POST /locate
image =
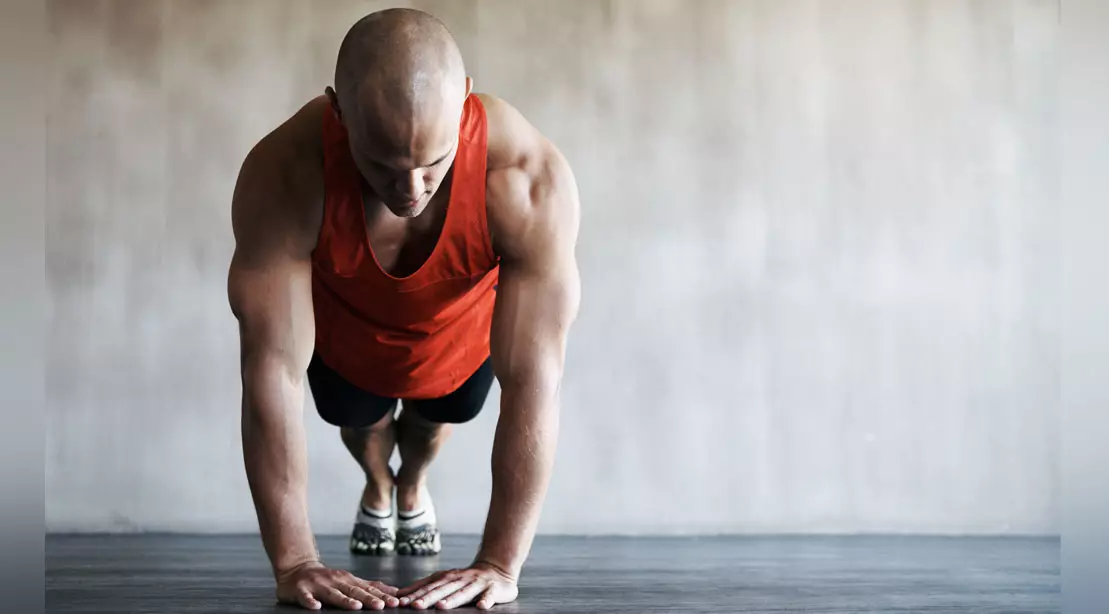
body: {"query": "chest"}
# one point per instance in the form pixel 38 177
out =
pixel 401 246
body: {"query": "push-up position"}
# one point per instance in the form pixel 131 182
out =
pixel 401 238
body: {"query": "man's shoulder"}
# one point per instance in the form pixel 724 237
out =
pixel 512 140
pixel 517 151
pixel 529 184
pixel 280 185
pixel 292 153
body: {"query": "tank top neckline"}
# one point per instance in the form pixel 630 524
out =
pixel 365 234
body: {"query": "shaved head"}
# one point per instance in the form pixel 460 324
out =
pixel 400 87
pixel 398 68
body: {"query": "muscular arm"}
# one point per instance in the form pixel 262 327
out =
pixel 532 205
pixel 534 220
pixel 269 287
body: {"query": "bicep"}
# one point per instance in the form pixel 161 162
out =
pixel 534 215
pixel 272 302
pixel 531 319
pixel 537 302
pixel 270 278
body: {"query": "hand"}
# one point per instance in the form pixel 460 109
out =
pixel 481 582
pixel 312 585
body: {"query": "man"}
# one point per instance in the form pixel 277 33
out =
pixel 401 238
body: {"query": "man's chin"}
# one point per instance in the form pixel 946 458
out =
pixel 406 210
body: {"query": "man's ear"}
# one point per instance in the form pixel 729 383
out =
pixel 333 98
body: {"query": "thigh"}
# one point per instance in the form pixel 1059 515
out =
pixel 462 405
pixel 340 402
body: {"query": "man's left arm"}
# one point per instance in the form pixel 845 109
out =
pixel 537 301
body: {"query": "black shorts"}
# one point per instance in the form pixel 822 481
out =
pixel 343 404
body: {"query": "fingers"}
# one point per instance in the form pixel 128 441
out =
pixel 335 597
pixel 315 588
pixel 375 590
pixel 440 592
pixel 422 591
pixel 385 589
pixel 486 601
pixel 307 601
pixel 368 598
pixel 374 594
pixel 419 596
pixel 415 586
pixel 461 596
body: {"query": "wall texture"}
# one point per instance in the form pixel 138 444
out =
pixel 819 250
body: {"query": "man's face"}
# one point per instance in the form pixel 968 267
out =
pixel 404 159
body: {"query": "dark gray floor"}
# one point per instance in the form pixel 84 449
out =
pixel 192 574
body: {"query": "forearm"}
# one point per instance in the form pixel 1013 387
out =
pixel 275 454
pixel 522 459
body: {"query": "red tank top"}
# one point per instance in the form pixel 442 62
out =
pixel 415 337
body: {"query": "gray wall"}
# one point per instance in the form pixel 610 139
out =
pixel 1084 130
pixel 819 249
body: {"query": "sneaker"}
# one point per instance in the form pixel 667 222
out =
pixel 417 533
pixel 373 534
pixel 423 540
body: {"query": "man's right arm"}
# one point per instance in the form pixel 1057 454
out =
pixel 276 214
pixel 269 288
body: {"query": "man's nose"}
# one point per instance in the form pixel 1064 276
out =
pixel 411 185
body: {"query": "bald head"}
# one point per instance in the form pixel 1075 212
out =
pixel 396 69
pixel 400 88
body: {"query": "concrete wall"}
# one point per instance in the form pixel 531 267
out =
pixel 1084 130
pixel 819 247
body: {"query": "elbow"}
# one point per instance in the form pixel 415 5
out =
pixel 535 385
pixel 531 372
pixel 271 390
